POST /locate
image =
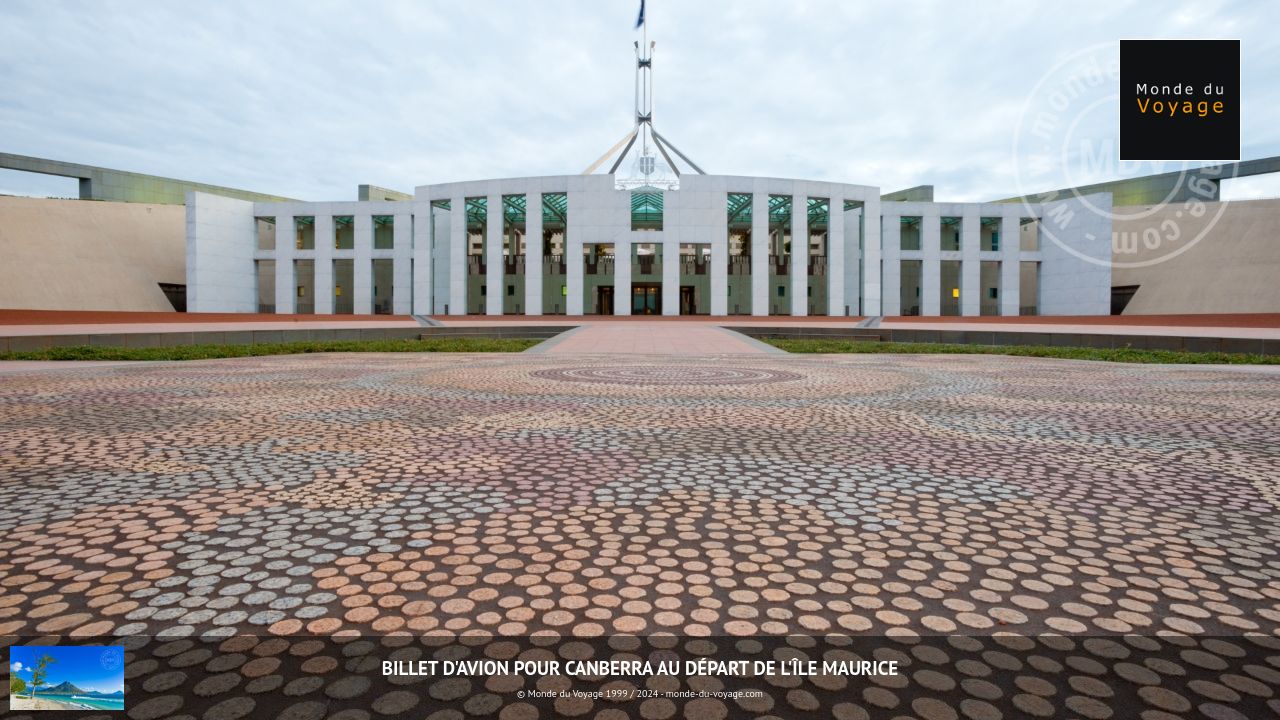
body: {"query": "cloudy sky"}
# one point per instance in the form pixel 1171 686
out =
pixel 309 99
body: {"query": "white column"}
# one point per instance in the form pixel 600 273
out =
pixel 799 255
pixel 362 279
pixel 835 256
pixel 622 275
pixel 423 259
pixel 760 260
pixel 573 236
pixel 286 287
pixel 891 252
pixel 931 271
pixel 853 260
pixel 970 262
pixel 221 242
pixel 670 275
pixel 401 272
pixel 533 254
pixel 324 265
pixel 1010 254
pixel 872 287
pixel 458 256
pixel 720 265
pixel 494 261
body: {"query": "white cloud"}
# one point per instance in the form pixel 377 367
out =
pixel 309 99
pixel 16 667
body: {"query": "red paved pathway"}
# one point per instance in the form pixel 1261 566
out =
pixel 1243 320
pixel 634 333
pixel 656 337
pixel 94 317
pixel 1246 320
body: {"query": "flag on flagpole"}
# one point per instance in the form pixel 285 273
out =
pixel 640 17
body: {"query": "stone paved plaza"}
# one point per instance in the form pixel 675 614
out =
pixel 276 499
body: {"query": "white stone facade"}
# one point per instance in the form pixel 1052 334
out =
pixel 434 264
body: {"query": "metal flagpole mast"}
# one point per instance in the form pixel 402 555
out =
pixel 643 95
pixel 648 99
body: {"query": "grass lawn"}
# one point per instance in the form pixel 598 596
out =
pixel 204 352
pixel 1128 355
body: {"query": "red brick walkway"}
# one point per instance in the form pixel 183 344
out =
pixel 1246 320
pixel 95 317
pixel 655 337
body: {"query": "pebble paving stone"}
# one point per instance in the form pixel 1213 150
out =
pixel 1028 537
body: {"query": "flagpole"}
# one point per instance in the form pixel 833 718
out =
pixel 643 95
pixel 648 55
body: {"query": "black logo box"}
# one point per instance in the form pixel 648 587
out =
pixel 1190 65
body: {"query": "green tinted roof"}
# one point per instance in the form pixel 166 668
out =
pixel 514 210
pixel 555 208
pixel 739 208
pixel 646 207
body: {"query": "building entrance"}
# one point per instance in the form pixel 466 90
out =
pixel 646 299
pixel 688 305
pixel 604 300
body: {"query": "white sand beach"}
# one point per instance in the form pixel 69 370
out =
pixel 25 703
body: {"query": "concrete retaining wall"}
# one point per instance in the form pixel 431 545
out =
pixel 1232 269
pixel 79 255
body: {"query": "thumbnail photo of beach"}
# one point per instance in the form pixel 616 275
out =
pixel 66 677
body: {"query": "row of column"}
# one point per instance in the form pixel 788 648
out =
pixel 970 257
pixel 362 255
pixel 876 267
pixel 575 280
pixel 495 267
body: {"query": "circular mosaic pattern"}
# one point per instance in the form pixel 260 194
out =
pixel 268 503
pixel 667 375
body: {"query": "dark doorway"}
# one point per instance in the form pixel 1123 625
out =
pixel 687 304
pixel 646 299
pixel 604 300
pixel 1120 297
pixel 176 295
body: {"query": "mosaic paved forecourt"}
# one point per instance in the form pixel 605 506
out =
pixel 253 514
